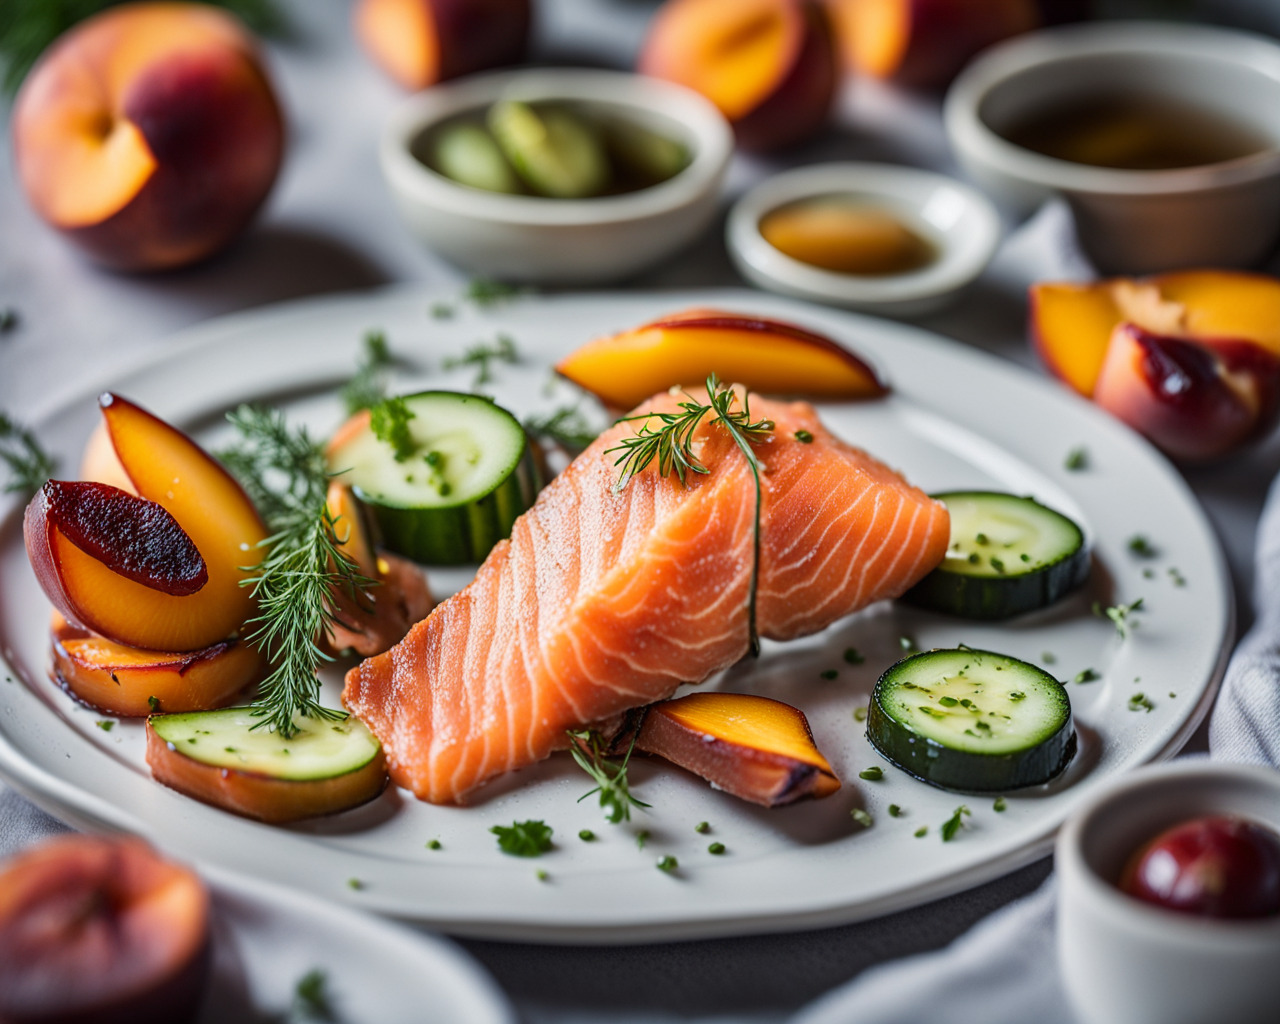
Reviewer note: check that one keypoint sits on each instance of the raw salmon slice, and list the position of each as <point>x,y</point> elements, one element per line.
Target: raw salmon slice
<point>602,602</point>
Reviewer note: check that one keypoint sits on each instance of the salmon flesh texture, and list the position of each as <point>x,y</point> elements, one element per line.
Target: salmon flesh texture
<point>605,601</point>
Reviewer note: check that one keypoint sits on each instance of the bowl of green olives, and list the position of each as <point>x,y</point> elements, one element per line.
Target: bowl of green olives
<point>556,176</point>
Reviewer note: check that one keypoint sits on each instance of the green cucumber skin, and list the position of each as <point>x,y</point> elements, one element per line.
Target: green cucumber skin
<point>932,762</point>
<point>991,598</point>
<point>461,534</point>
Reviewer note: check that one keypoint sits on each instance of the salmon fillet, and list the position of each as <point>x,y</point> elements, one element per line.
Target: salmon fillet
<point>601,602</point>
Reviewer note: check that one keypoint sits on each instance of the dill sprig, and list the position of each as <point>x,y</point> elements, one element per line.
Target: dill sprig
<point>610,776</point>
<point>671,445</point>
<point>286,475</point>
<point>28,26</point>
<point>368,387</point>
<point>29,465</point>
<point>566,426</point>
<point>483,355</point>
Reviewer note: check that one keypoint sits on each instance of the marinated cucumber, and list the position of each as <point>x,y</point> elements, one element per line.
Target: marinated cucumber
<point>452,475</point>
<point>555,152</point>
<point>972,720</point>
<point>1007,555</point>
<point>467,154</point>
<point>227,738</point>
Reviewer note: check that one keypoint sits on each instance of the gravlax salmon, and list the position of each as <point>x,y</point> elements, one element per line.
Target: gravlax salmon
<point>603,601</point>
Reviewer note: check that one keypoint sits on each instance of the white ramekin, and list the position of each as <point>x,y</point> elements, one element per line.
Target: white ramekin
<point>559,241</point>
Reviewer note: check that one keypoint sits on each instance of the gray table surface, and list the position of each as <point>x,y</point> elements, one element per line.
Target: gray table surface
<point>330,226</point>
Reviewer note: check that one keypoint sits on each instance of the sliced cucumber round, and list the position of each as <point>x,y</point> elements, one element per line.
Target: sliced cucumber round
<point>971,720</point>
<point>450,485</point>
<point>226,738</point>
<point>1008,555</point>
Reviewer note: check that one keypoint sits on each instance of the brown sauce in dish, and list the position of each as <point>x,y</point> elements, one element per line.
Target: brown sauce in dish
<point>1134,133</point>
<point>847,236</point>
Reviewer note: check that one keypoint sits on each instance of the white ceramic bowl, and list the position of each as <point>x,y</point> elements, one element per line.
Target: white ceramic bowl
<point>1225,214</point>
<point>960,223</point>
<point>1128,962</point>
<point>560,241</point>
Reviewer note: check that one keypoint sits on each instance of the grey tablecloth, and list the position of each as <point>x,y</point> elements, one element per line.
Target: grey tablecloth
<point>330,226</point>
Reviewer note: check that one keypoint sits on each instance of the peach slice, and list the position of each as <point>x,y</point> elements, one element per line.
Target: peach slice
<point>96,929</point>
<point>1071,324</point>
<point>756,748</point>
<point>377,619</point>
<point>1195,400</point>
<point>924,43</point>
<point>100,463</point>
<point>769,65</point>
<point>149,134</point>
<point>421,42</point>
<point>764,355</point>
<point>133,683</point>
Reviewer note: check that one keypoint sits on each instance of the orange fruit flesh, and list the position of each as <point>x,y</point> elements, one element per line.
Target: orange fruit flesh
<point>755,722</point>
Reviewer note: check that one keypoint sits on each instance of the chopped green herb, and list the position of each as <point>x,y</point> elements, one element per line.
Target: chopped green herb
<point>716,848</point>
<point>895,811</point>
<point>154,704</point>
<point>355,883</point>
<point>997,565</point>
<point>311,999</point>
<point>921,832</point>
<point>1141,547</point>
<point>368,387</point>
<point>860,714</point>
<point>1017,695</point>
<point>1176,577</point>
<point>1087,675</point>
<point>668,864</point>
<point>483,356</point>
<point>999,806</point>
<point>804,437</point>
<point>8,319</point>
<point>565,426</point>
<point>982,539</point>
<point>948,702</point>
<point>441,310</point>
<point>610,777</point>
<point>28,464</point>
<point>485,292</point>
<point>852,656</point>
<point>1140,702</point>
<point>1172,694</point>
<point>861,817</point>
<point>390,422</point>
<point>542,875</point>
<point>104,725</point>
<point>974,558</point>
<point>1077,459</point>
<point>1119,615</point>
<point>1148,573</point>
<point>954,823</point>
<point>587,836</point>
<point>829,674</point>
<point>433,844</point>
<point>524,838</point>
<point>873,774</point>
<point>703,827</point>
<point>642,837</point>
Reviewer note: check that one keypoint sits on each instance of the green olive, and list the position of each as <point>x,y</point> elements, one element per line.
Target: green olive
<point>556,153</point>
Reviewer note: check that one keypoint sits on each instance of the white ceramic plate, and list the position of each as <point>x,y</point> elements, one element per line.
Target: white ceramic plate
<point>267,938</point>
<point>957,418</point>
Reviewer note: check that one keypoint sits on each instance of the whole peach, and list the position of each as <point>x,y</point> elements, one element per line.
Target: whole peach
<point>150,134</point>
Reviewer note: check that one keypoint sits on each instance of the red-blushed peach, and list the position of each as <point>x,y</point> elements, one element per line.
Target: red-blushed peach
<point>769,65</point>
<point>149,134</point>
<point>97,930</point>
<point>1195,400</point>
<point>421,42</point>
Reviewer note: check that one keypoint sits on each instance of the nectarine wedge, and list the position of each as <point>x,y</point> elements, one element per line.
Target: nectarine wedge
<point>133,683</point>
<point>102,930</point>
<point>764,355</point>
<point>756,748</point>
<point>769,65</point>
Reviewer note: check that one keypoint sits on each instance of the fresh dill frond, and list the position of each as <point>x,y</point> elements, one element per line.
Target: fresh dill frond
<point>28,464</point>
<point>671,445</point>
<point>565,426</point>
<point>524,838</point>
<point>311,999</point>
<point>286,475</point>
<point>1119,615</point>
<point>482,355</point>
<point>485,292</point>
<point>368,387</point>
<point>390,422</point>
<point>610,777</point>
<point>951,827</point>
<point>27,27</point>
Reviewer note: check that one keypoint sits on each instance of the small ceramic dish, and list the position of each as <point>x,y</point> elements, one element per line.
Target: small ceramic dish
<point>1128,962</point>
<point>536,240</point>
<point>1131,221</point>
<point>960,224</point>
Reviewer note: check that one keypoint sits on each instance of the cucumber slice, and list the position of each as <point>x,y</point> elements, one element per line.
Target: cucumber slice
<point>971,720</point>
<point>1008,555</point>
<point>469,155</point>
<point>227,739</point>
<point>455,490</point>
<point>554,151</point>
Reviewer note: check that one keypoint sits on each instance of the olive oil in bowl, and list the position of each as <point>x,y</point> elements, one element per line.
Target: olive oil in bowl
<point>1134,133</point>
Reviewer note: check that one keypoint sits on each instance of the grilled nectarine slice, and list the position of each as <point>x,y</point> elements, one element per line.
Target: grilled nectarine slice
<point>99,931</point>
<point>769,65</point>
<point>133,683</point>
<point>683,349</point>
<point>756,748</point>
<point>221,758</point>
<point>1194,400</point>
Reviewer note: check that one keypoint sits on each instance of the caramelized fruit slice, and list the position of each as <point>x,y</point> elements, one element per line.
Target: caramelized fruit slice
<point>756,748</point>
<point>219,758</point>
<point>102,930</point>
<point>134,683</point>
<point>764,355</point>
